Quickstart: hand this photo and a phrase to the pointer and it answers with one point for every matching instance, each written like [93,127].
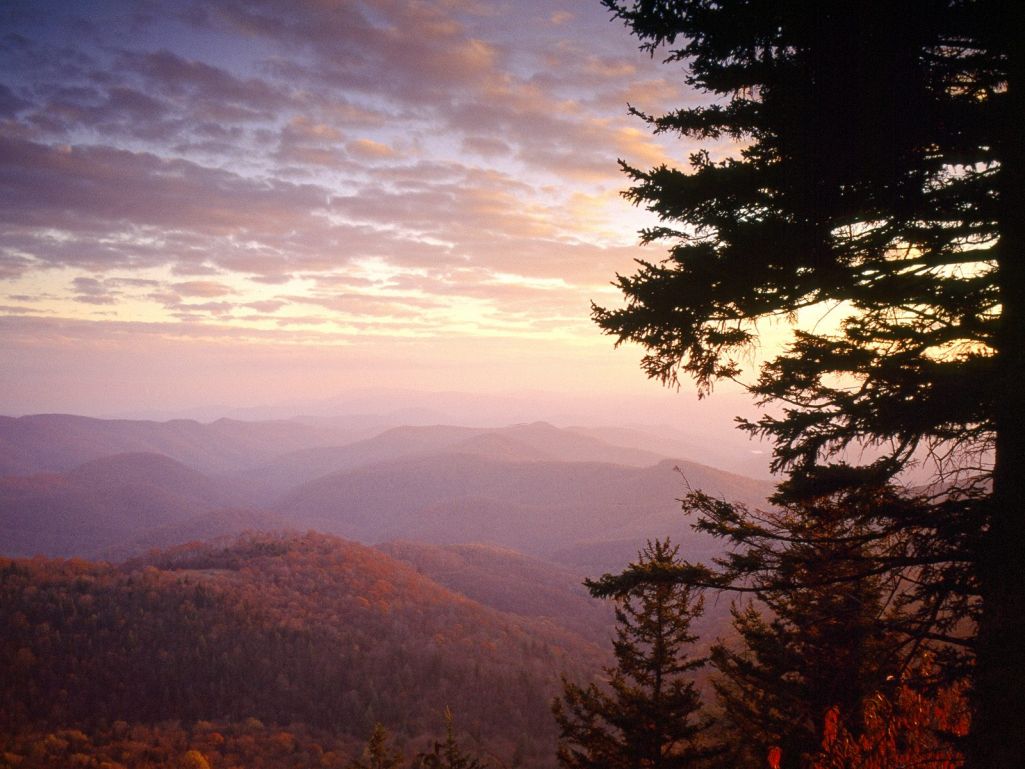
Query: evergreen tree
[881,176]
[817,635]
[816,638]
[647,717]
[377,754]
[448,754]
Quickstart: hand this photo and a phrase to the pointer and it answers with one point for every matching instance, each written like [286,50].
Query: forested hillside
[305,630]
[512,582]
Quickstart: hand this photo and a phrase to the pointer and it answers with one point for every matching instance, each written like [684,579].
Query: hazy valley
[320,582]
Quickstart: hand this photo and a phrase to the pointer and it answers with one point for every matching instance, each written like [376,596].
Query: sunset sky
[246,202]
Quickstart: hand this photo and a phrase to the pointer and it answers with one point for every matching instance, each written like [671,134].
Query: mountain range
[268,591]
[545,491]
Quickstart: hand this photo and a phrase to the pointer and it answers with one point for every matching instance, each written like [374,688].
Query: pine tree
[377,754]
[816,637]
[448,754]
[817,634]
[647,716]
[882,179]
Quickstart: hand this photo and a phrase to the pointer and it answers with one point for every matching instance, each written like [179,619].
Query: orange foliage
[289,630]
[170,745]
[907,728]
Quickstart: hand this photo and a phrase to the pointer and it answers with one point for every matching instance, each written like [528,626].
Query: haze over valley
[74,486]
[408,567]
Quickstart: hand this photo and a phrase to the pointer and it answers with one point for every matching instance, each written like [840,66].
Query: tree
[377,754]
[825,628]
[881,178]
[448,754]
[819,635]
[647,717]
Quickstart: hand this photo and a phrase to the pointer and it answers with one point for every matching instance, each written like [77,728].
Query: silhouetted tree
[821,629]
[818,636]
[880,177]
[647,717]
[377,754]
[448,754]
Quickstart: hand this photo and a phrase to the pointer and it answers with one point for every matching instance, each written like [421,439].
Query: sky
[251,202]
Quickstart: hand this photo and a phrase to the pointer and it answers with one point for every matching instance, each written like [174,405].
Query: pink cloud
[266,305]
[370,149]
[201,288]
[381,162]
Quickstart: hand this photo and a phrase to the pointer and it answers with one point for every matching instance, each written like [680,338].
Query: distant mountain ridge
[535,488]
[538,441]
[534,507]
[102,502]
[59,442]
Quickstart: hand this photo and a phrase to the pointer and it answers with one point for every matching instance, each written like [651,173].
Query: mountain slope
[306,629]
[102,502]
[537,441]
[731,452]
[511,582]
[219,525]
[534,507]
[290,469]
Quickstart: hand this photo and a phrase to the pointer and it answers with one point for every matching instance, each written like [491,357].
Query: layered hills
[60,442]
[545,491]
[101,503]
[185,632]
[538,441]
[536,507]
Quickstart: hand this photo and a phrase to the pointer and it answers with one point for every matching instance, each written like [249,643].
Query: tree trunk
[998,736]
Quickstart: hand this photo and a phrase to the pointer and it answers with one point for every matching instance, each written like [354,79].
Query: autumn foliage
[906,728]
[307,630]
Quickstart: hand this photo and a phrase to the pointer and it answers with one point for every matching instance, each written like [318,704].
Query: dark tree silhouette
[822,629]
[819,636]
[882,179]
[377,753]
[448,754]
[647,716]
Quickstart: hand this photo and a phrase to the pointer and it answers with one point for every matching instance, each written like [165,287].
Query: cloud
[268,306]
[102,186]
[92,291]
[370,149]
[489,146]
[441,170]
[201,288]
[13,265]
[210,90]
[305,129]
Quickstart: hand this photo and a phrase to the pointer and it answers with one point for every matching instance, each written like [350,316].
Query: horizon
[371,411]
